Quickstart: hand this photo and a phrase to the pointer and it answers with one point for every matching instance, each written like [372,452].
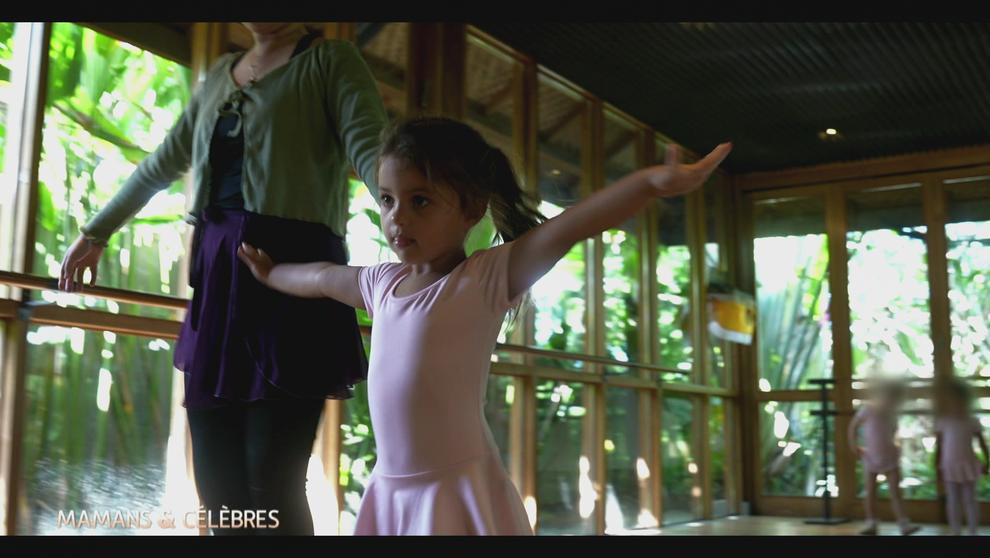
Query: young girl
[437,315]
[958,467]
[880,455]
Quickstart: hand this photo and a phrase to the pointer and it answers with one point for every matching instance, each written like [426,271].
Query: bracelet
[95,241]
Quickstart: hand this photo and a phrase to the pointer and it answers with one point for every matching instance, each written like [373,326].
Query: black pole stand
[825,413]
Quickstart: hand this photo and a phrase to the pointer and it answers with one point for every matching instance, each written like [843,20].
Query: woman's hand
[81,255]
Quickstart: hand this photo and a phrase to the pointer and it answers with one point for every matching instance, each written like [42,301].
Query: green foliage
[98,405]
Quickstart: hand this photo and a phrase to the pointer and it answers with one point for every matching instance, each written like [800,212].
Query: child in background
[880,453]
[958,467]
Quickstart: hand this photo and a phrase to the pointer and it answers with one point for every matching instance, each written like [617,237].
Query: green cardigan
[303,123]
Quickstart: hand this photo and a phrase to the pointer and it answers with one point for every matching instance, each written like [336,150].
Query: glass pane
[559,138]
[967,255]
[673,273]
[680,451]
[716,273]
[983,410]
[559,296]
[888,284]
[97,433]
[357,453]
[384,46]
[790,254]
[500,402]
[621,257]
[791,448]
[565,495]
[916,438]
[109,105]
[366,244]
[11,99]
[627,495]
[3,343]
[6,87]
[721,459]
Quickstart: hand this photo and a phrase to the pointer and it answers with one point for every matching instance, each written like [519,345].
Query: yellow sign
[732,317]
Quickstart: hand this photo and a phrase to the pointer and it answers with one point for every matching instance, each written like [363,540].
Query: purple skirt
[242,341]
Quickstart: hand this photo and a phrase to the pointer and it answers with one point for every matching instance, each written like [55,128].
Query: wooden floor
[762,525]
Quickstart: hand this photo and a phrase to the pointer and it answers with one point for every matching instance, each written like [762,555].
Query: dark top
[227,150]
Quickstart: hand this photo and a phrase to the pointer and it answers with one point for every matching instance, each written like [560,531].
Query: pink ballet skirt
[881,453]
[959,462]
[472,498]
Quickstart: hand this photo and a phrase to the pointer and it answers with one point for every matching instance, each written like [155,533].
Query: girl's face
[890,400]
[422,222]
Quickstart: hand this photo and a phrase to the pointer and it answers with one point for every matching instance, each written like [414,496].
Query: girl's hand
[257,261]
[860,452]
[674,179]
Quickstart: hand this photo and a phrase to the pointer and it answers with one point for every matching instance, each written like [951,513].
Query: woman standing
[270,136]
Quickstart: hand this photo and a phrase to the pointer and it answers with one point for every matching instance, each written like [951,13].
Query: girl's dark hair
[893,388]
[455,154]
[959,390]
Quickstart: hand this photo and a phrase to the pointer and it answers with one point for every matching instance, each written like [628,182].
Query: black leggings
[254,456]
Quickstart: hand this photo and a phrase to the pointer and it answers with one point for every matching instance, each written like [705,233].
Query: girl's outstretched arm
[535,252]
[308,280]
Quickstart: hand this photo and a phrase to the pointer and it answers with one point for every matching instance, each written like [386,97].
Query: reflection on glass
[98,126]
[97,430]
[967,255]
[721,462]
[565,494]
[790,254]
[791,449]
[681,472]
[627,494]
[500,400]
[888,283]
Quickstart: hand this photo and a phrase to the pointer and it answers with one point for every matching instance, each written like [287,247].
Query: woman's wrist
[94,241]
